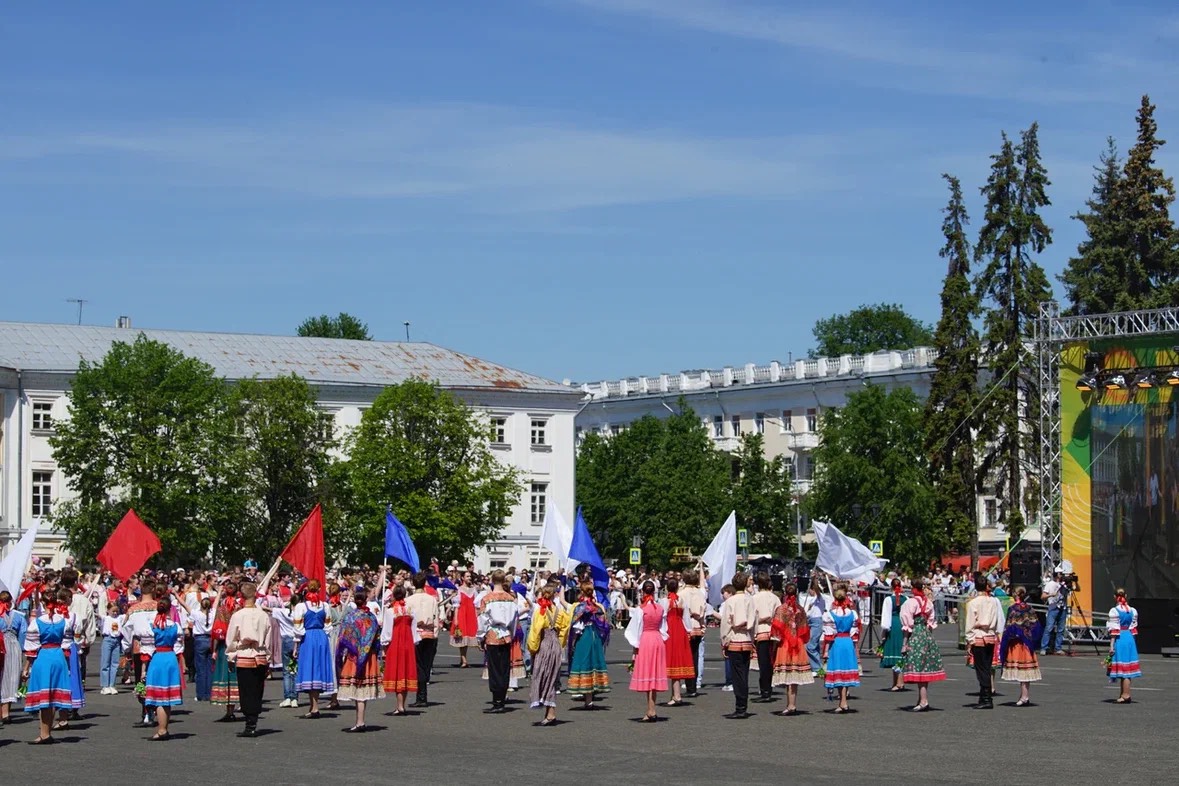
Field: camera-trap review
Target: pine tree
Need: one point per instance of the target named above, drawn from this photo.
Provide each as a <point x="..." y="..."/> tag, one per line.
<point x="949" y="410"/>
<point x="1014" y="285"/>
<point x="1095" y="278"/>
<point x="1143" y="199"/>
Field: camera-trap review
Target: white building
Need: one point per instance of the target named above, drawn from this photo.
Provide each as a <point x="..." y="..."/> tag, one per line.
<point x="533" y="416"/>
<point x="782" y="401"/>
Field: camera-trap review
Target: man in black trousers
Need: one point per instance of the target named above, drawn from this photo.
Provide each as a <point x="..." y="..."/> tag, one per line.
<point x="424" y="607"/>
<point x="247" y="645"/>
<point x="984" y="627"/>
<point x="498" y="613"/>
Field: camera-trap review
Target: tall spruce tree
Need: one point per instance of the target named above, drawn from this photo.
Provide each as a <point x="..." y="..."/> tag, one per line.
<point x="1095" y="280"/>
<point x="953" y="395"/>
<point x="1143" y="199"/>
<point x="1011" y="286"/>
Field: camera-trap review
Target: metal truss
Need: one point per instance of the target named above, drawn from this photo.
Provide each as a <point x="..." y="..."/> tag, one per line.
<point x="1050" y="332"/>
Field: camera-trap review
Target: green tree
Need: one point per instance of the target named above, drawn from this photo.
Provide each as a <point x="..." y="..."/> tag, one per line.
<point x="1095" y="280"/>
<point x="661" y="480"/>
<point x="343" y="326"/>
<point x="1011" y="286"/>
<point x="149" y="429"/>
<point x="763" y="498"/>
<point x="872" y="458"/>
<point x="953" y="395"/>
<point x="422" y="450"/>
<point x="869" y="329"/>
<point x="286" y="441"/>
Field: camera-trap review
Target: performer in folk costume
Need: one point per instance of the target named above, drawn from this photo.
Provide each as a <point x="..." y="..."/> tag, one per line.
<point x="49" y="686"/>
<point x="162" y="678"/>
<point x="248" y="642"/>
<point x="464" y="628"/>
<point x="224" y="691"/>
<point x="314" y="674"/>
<point x="546" y="640"/>
<point x="1018" y="646"/>
<point x="1123" y="627"/>
<point x="737" y="625"/>
<point x="397" y="637"/>
<point x="423" y="605"/>
<point x="984" y="628"/>
<point x="357" y="658"/>
<point x="680" y="667"/>
<point x="139" y="636"/>
<point x="12" y="637"/>
<point x="765" y="603"/>
<point x="647" y="634"/>
<point x="695" y="604"/>
<point x="590" y="633"/>
<point x="336" y="610"/>
<point x="789" y="629"/>
<point x="922" y="657"/>
<point x="498" y="618"/>
<point x="893" y="634"/>
<point x="841" y="630"/>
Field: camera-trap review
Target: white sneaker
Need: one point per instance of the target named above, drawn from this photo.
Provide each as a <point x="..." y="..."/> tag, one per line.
<point x="727" y="689"/>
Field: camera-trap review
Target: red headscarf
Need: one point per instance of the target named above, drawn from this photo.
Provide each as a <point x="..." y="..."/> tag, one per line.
<point x="673" y="597"/>
<point x="544" y="604"/>
<point x="161" y="621"/>
<point x="648" y="599"/>
<point x="311" y="597"/>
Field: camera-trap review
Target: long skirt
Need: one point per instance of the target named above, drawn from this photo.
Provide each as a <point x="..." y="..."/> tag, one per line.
<point x="923" y="663"/>
<point x="546" y="670"/>
<point x="650" y="667"/>
<point x="518" y="671"/>
<point x="679" y="652"/>
<point x="10" y="676"/>
<point x="314" y="667"/>
<point x="162" y="680"/>
<point x="401" y="668"/>
<point x="1021" y="664"/>
<point x="224" y="681"/>
<point x="77" y="692"/>
<point x="360" y="686"/>
<point x="1125" y="658"/>
<point x="843" y="668"/>
<point x="49" y="682"/>
<point x="791" y="664"/>
<point x="587" y="667"/>
<point x="893" y="644"/>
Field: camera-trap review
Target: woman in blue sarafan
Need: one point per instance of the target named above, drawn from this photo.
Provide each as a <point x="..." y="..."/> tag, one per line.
<point x="313" y="670"/>
<point x="50" y="686"/>
<point x="1123" y="627"/>
<point x="841" y="629"/>
<point x="162" y="678"/>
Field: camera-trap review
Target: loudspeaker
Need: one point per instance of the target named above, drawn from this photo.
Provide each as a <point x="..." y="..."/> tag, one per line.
<point x="1024" y="564"/>
<point x="1158" y="622"/>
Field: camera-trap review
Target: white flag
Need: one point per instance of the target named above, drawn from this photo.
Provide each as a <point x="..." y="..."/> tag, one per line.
<point x="556" y="535"/>
<point x="13" y="566"/>
<point x="721" y="559"/>
<point x="844" y="557"/>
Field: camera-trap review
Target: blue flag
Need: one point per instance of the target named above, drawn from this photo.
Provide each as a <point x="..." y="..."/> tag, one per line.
<point x="397" y="542"/>
<point x="583" y="550"/>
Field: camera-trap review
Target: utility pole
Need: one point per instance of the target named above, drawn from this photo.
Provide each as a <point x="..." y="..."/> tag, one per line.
<point x="81" y="302"/>
<point x="406" y="323"/>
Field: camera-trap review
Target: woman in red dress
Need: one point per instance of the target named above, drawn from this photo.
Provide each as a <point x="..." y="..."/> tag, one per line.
<point x="401" y="671"/>
<point x="464" y="628"/>
<point x="678" y="646"/>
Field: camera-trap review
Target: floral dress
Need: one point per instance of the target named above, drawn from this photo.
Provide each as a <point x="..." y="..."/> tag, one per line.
<point x="923" y="661"/>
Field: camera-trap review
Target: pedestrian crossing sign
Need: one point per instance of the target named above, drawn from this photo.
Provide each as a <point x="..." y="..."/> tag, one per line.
<point x="636" y="556"/>
<point x="877" y="547"/>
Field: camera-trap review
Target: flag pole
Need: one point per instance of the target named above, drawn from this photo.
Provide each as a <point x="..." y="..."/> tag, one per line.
<point x="269" y="575"/>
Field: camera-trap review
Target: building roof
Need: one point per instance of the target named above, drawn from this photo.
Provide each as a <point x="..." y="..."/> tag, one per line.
<point x="50" y="347"/>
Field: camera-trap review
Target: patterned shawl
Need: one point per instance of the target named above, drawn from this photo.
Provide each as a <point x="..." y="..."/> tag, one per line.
<point x="358" y="637"/>
<point x="789" y="626"/>
<point x="1023" y="626"/>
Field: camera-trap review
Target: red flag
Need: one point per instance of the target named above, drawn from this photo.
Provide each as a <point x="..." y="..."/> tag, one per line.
<point x="305" y="551"/>
<point x="129" y="547"/>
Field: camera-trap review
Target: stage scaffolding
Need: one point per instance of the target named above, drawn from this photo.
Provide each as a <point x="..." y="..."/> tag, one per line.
<point x="1050" y="333"/>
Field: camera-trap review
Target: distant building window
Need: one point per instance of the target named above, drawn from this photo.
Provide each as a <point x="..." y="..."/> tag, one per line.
<point x="499" y="431"/>
<point x="539" y="499"/>
<point x="804" y="467"/>
<point x="498" y="564"/>
<point x="42" y="416"/>
<point x="538" y="431"/>
<point x="736" y="420"/>
<point x="991" y="512"/>
<point x="812" y="420"/>
<point x="787" y="421"/>
<point x="718" y="426"/>
<point x="759" y="423"/>
<point x="327" y="426"/>
<point x="42" y="492"/>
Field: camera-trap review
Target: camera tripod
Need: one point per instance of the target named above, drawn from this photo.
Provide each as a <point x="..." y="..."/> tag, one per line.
<point x="1073" y="606"/>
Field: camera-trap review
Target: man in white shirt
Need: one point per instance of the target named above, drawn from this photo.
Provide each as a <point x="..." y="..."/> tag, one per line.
<point x="815" y="605"/>
<point x="984" y="626"/>
<point x="1053" y="593"/>
<point x="281" y="614"/>
<point x="498" y="613"/>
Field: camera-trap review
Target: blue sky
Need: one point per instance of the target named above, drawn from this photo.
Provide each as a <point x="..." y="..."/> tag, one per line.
<point x="578" y="188"/>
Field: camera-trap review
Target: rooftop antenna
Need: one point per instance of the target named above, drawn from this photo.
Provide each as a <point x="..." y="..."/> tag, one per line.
<point x="81" y="302"/>
<point x="406" y="323"/>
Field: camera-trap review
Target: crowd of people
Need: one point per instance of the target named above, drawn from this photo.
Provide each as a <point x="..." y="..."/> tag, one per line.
<point x="366" y="634"/>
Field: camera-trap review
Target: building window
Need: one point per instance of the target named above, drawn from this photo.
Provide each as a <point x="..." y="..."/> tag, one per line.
<point x="803" y="466"/>
<point x="498" y="564"/>
<point x="499" y="431"/>
<point x="42" y="492"/>
<point x="759" y="423"/>
<point x="327" y="426"/>
<point x="787" y="425"/>
<point x="42" y="416"/>
<point x="538" y="429"/>
<point x="736" y="421"/>
<point x="812" y="420"/>
<point x="718" y="427"/>
<point x="539" y="499"/>
<point x="991" y="512"/>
